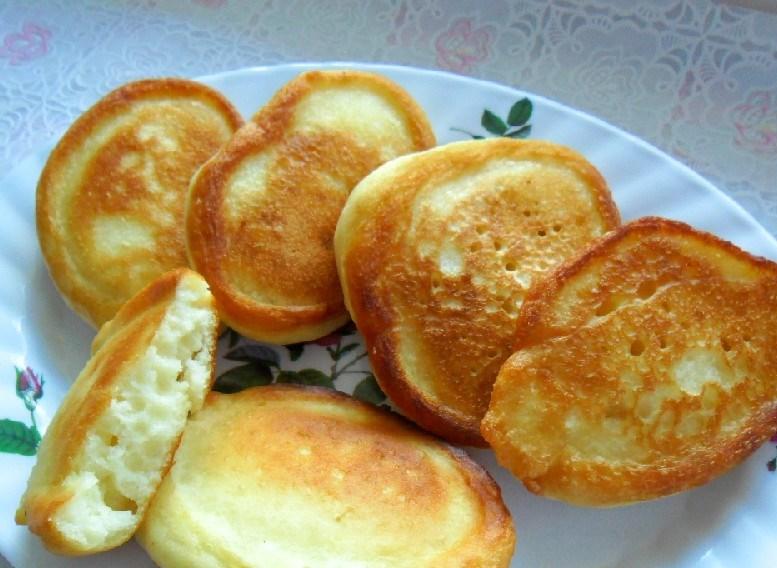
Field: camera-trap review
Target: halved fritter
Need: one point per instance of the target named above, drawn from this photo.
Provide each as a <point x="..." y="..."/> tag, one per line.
<point x="112" y="438"/>
<point x="436" y="252"/>
<point x="110" y="200"/>
<point x="261" y="214"/>
<point x="642" y="368"/>
<point x="288" y="476"/>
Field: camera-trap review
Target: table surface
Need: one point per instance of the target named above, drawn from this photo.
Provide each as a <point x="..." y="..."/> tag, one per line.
<point x="697" y="79"/>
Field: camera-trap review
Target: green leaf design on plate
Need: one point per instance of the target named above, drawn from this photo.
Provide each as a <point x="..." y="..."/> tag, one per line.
<point x="368" y="390"/>
<point x="295" y="350"/>
<point x="18" y="438"/>
<point x="345" y="349"/>
<point x="254" y="353"/>
<point x="306" y="377"/>
<point x="521" y="132"/>
<point x="520" y="112"/>
<point x="493" y="123"/>
<point x="238" y="378"/>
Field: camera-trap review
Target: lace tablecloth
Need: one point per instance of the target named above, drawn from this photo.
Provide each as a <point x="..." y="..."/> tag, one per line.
<point x="696" y="78"/>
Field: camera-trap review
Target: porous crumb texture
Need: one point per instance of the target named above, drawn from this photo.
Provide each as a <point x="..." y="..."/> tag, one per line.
<point x="127" y="450"/>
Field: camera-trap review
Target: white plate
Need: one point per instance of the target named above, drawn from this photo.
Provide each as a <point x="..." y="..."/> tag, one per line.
<point x="729" y="522"/>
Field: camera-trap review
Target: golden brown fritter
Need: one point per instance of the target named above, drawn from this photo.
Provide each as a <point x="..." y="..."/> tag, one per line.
<point x="261" y="214"/>
<point x="436" y="252"/>
<point x="110" y="201"/>
<point x="642" y="368"/>
<point x="304" y="476"/>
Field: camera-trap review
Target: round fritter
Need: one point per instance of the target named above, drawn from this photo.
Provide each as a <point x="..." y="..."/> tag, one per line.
<point x="261" y="214"/>
<point x="642" y="368"/>
<point x="436" y="252"/>
<point x="289" y="476"/>
<point x="110" y="201"/>
<point x="113" y="436"/>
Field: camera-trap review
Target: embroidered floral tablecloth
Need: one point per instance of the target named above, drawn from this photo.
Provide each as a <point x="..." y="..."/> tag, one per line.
<point x="697" y="78"/>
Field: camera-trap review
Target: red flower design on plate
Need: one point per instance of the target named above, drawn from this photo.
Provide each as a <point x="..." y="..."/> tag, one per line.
<point x="755" y="121"/>
<point x="463" y="46"/>
<point x="30" y="43"/>
<point x="29" y="387"/>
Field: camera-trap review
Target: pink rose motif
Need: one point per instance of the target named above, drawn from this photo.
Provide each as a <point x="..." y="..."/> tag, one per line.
<point x="755" y="121"/>
<point x="30" y="44"/>
<point x="29" y="387"/>
<point x="462" y="46"/>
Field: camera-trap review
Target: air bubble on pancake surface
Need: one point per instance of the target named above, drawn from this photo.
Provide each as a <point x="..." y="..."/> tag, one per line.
<point x="637" y="347"/>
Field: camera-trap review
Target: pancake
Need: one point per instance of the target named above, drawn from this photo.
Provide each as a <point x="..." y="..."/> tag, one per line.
<point x="289" y="476"/>
<point x="110" y="201"/>
<point x="642" y="368"/>
<point x="436" y="252"/>
<point x="112" y="438"/>
<point x="261" y="214"/>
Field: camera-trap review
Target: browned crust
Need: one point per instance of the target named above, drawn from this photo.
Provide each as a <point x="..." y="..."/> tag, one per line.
<point x="88" y="398"/>
<point x="206" y="246"/>
<point x="205" y="229"/>
<point x="605" y="488"/>
<point x="540" y="297"/>
<point x="274" y="117"/>
<point x="600" y="484"/>
<point x="113" y="105"/>
<point x="400" y="388"/>
<point x="497" y="533"/>
<point x="361" y="264"/>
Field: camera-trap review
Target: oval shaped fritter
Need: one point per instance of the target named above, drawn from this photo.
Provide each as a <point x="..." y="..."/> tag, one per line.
<point x="110" y="200"/>
<point x="642" y="368"/>
<point x="305" y="476"/>
<point x="261" y="214"/>
<point x="436" y="252"/>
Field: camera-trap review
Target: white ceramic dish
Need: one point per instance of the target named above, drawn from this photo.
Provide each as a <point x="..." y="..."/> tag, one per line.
<point x="729" y="522"/>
